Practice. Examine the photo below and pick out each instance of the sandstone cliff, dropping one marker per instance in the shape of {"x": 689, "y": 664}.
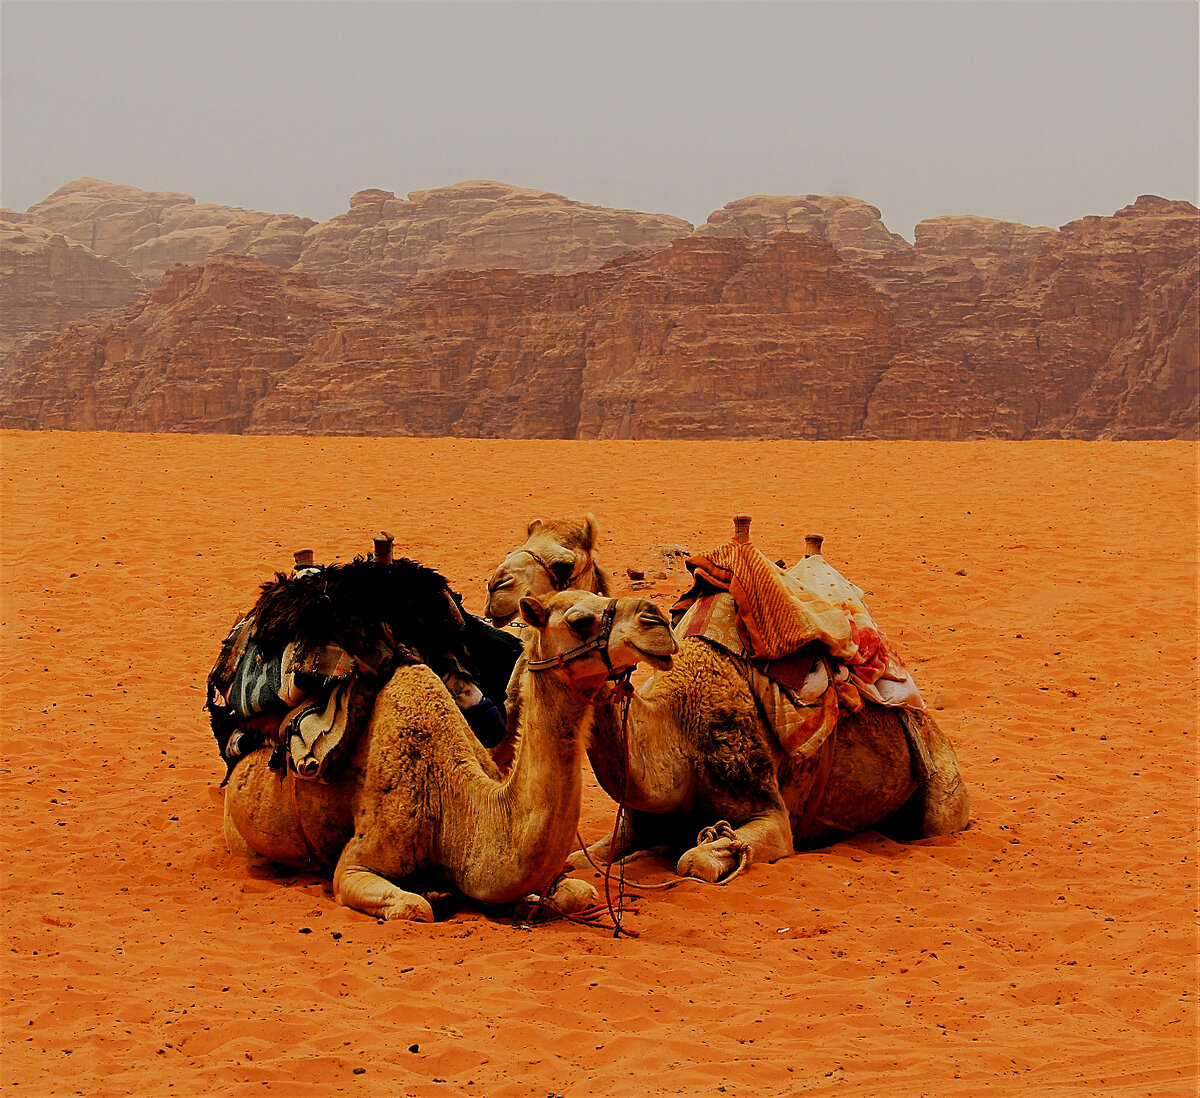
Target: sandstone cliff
{"x": 705, "y": 339}
{"x": 852, "y": 226}
{"x": 982, "y": 328}
{"x": 151, "y": 231}
{"x": 383, "y": 242}
{"x": 47, "y": 280}
{"x": 1095, "y": 338}
{"x": 197, "y": 354}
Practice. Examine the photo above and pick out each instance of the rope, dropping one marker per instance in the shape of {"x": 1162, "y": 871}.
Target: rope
{"x": 722, "y": 829}
{"x": 624, "y": 691}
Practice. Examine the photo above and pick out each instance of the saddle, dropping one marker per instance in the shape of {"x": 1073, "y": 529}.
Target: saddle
{"x": 805, "y": 643}
{"x": 301, "y": 670}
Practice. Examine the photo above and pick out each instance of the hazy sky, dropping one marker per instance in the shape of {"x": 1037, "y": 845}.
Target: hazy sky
{"x": 1025, "y": 110}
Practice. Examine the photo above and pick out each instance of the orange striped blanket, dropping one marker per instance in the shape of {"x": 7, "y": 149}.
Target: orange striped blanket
{"x": 804, "y": 639}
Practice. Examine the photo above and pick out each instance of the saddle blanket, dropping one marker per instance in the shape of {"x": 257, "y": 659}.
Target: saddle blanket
{"x": 804, "y": 640}
{"x": 312, "y": 704}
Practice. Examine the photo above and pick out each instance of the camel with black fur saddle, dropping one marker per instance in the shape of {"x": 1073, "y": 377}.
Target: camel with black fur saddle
{"x": 302, "y": 669}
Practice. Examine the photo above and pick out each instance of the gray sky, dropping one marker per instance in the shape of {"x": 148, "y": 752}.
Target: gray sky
{"x": 1021, "y": 109}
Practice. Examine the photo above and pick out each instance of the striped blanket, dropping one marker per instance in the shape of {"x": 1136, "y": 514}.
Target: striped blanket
{"x": 804, "y": 640}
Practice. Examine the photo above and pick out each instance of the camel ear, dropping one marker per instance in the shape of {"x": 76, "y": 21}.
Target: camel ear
{"x": 534, "y": 612}
{"x": 590, "y": 533}
{"x": 536, "y": 524}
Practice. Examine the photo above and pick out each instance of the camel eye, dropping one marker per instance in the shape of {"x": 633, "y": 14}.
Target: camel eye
{"x": 581, "y": 622}
{"x": 562, "y": 570}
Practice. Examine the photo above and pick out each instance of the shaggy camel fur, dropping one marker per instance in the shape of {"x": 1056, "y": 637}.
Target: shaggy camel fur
{"x": 700, "y": 753}
{"x": 421, "y": 802}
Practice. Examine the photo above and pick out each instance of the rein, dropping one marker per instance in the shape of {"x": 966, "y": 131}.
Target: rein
{"x": 591, "y": 917}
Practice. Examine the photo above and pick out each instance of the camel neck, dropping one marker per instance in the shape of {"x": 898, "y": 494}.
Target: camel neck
{"x": 525, "y": 826}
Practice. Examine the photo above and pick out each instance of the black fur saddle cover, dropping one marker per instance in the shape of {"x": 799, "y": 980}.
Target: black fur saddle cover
{"x": 301, "y": 670}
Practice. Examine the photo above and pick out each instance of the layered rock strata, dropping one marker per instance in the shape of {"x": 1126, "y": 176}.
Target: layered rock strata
{"x": 981, "y": 329}
{"x": 198, "y": 354}
{"x": 47, "y": 281}
{"x": 383, "y": 242}
{"x": 149, "y": 232}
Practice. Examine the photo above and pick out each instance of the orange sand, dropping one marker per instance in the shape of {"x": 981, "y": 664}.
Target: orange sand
{"x": 1048, "y": 950}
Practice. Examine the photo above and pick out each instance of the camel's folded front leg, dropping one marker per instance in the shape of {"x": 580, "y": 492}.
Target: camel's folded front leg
{"x": 630, "y": 843}
{"x": 365, "y": 890}
{"x": 722, "y": 851}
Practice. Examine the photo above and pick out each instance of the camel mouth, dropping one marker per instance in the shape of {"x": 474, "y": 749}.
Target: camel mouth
{"x": 656, "y": 660}
{"x": 499, "y": 621}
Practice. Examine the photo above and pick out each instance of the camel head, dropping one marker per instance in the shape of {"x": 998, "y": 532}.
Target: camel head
{"x": 593, "y": 638}
{"x": 556, "y": 556}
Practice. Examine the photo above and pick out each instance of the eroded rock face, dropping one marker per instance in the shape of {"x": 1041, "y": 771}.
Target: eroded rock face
{"x": 851, "y": 225}
{"x": 1095, "y": 338}
{"x": 981, "y": 329}
{"x": 47, "y": 281}
{"x": 151, "y": 231}
{"x": 383, "y": 242}
{"x": 707, "y": 338}
{"x": 197, "y": 354}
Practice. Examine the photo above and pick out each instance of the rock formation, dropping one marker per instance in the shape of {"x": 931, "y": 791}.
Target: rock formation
{"x": 852, "y": 226}
{"x": 1095, "y": 338}
{"x": 798, "y": 317}
{"x": 152, "y": 231}
{"x": 197, "y": 354}
{"x": 383, "y": 242}
{"x": 47, "y": 281}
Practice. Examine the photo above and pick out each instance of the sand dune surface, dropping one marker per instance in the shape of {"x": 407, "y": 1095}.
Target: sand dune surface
{"x": 1044, "y": 595}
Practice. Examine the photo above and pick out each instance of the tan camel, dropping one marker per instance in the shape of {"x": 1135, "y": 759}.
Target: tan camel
{"x": 700, "y": 753}
{"x": 556, "y": 556}
{"x": 421, "y": 802}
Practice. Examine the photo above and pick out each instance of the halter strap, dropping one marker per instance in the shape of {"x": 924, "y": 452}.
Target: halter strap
{"x": 597, "y": 643}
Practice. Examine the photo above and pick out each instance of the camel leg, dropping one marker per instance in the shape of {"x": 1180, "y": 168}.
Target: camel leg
{"x": 568, "y": 897}
{"x": 365, "y": 890}
{"x": 766, "y": 837}
{"x": 946, "y": 804}
{"x": 234, "y": 841}
{"x": 630, "y": 844}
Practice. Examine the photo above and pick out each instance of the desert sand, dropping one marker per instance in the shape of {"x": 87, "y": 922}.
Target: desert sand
{"x": 1044, "y": 595}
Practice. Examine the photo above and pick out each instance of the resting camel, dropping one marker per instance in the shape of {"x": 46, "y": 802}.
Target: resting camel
{"x": 420, "y": 803}
{"x": 700, "y": 753}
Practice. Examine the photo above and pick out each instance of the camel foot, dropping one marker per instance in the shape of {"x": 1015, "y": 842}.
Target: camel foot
{"x": 571, "y": 895}
{"x": 711, "y": 862}
{"x": 568, "y": 897}
{"x": 364, "y": 890}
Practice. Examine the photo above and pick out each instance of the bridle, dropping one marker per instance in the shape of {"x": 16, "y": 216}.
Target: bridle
{"x": 598, "y": 643}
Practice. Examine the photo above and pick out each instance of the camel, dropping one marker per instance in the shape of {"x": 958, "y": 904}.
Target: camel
{"x": 705, "y": 772}
{"x": 421, "y": 804}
